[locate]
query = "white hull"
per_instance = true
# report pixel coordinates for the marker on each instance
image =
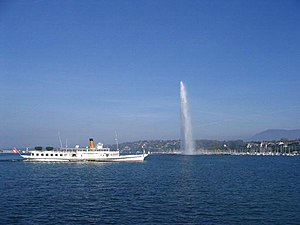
(63, 156)
(45, 160)
(129, 158)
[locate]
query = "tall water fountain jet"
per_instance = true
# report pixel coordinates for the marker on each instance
(187, 143)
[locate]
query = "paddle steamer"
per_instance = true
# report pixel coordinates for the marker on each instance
(97, 153)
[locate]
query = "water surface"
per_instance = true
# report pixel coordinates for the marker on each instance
(165, 189)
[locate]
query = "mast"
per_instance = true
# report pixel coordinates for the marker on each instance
(59, 139)
(116, 139)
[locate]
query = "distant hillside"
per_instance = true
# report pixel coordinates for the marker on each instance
(277, 134)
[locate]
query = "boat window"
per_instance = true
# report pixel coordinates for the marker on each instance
(46, 154)
(42, 154)
(32, 154)
(51, 154)
(61, 155)
(56, 154)
(37, 154)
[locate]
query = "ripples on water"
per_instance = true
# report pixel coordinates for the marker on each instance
(165, 189)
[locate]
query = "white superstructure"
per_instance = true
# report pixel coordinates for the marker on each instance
(91, 153)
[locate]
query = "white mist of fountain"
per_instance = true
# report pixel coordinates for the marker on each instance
(187, 143)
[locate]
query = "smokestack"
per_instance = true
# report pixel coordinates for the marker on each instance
(92, 145)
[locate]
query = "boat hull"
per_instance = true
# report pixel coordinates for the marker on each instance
(120, 158)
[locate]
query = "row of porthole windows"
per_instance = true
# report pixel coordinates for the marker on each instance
(42, 154)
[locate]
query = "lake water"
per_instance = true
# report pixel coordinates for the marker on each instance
(165, 189)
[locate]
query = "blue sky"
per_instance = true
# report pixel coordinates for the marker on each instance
(88, 68)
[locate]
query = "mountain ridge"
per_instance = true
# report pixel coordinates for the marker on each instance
(276, 134)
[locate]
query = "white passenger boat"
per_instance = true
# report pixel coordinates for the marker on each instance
(91, 153)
